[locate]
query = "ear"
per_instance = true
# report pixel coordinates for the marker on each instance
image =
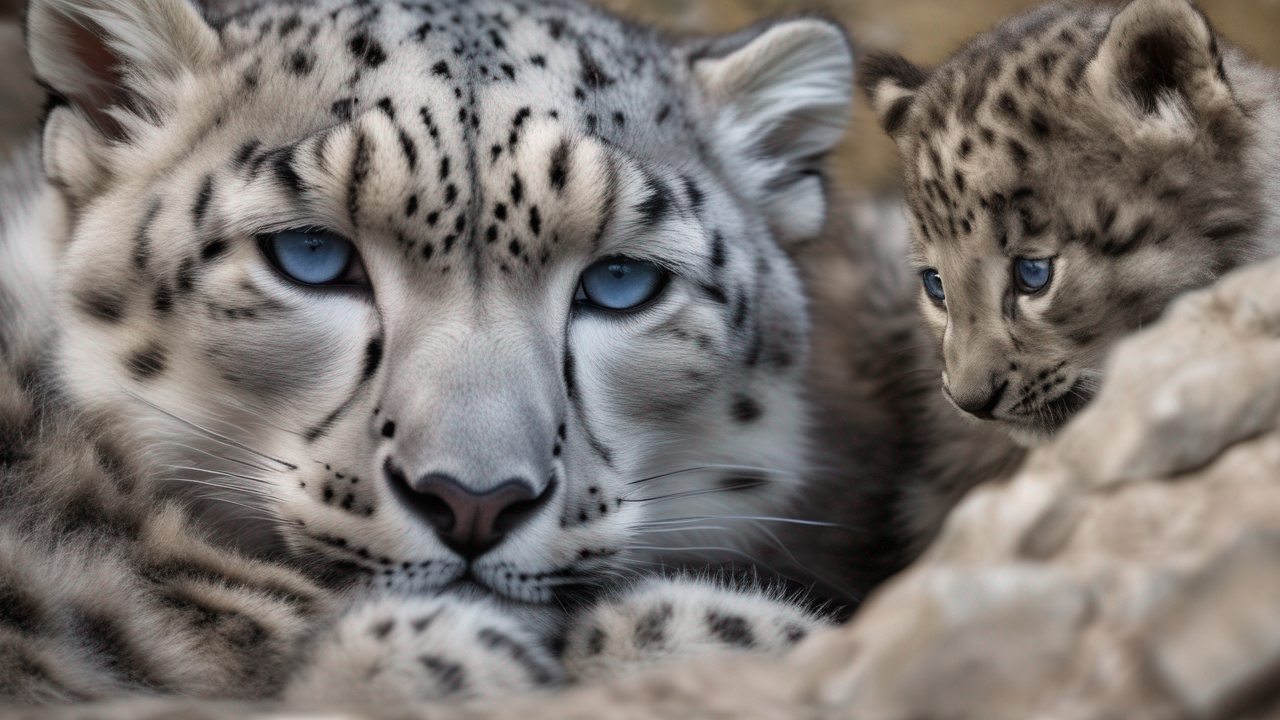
(1160, 59)
(890, 83)
(109, 66)
(781, 100)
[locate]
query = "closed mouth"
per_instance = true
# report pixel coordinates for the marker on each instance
(1051, 415)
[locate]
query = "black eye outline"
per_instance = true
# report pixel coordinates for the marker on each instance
(939, 293)
(582, 300)
(352, 275)
(1021, 283)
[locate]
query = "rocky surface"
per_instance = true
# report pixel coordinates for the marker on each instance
(1130, 571)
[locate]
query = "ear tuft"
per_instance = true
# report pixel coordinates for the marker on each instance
(781, 99)
(890, 82)
(1160, 57)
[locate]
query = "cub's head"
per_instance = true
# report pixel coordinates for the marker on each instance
(1066, 174)
(488, 293)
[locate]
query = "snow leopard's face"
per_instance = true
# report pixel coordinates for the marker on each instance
(473, 292)
(1067, 175)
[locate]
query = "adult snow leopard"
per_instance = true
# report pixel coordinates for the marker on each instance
(1067, 174)
(358, 352)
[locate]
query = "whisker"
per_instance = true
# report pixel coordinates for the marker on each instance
(214, 435)
(701, 468)
(763, 518)
(695, 493)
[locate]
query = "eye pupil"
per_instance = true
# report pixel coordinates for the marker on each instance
(621, 283)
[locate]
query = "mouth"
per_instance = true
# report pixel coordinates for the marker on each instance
(1044, 421)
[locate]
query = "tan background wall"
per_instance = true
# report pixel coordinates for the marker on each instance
(924, 30)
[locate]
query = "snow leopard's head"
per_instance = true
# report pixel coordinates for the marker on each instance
(483, 292)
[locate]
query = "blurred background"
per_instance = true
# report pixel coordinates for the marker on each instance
(926, 31)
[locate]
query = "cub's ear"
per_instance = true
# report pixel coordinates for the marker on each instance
(890, 83)
(781, 96)
(1160, 61)
(110, 67)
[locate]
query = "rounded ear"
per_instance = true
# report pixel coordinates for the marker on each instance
(108, 66)
(890, 83)
(1159, 61)
(780, 99)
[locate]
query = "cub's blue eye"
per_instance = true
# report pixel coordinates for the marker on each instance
(1033, 275)
(933, 284)
(620, 283)
(314, 258)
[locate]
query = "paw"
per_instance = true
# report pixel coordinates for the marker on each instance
(1178, 394)
(662, 620)
(397, 651)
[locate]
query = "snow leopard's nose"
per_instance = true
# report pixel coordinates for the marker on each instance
(469, 522)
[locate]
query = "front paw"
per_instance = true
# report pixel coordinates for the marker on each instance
(397, 651)
(663, 620)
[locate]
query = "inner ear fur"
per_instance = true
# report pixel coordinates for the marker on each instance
(1158, 52)
(890, 83)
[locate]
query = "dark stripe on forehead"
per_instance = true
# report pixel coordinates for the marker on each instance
(142, 238)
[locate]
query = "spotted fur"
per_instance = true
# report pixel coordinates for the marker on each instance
(208, 468)
(1130, 145)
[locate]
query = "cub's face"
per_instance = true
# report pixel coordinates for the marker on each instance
(472, 299)
(1065, 181)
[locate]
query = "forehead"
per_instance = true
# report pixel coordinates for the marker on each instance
(509, 129)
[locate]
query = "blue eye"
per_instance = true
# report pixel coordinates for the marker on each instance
(314, 258)
(1033, 275)
(933, 284)
(620, 283)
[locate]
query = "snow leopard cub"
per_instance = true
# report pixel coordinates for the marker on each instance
(1067, 174)
(369, 352)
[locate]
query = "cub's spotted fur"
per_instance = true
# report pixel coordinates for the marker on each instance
(1067, 174)
(433, 466)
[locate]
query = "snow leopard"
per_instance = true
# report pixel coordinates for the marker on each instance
(361, 352)
(1067, 174)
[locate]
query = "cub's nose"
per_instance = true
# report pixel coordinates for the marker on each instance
(469, 522)
(981, 403)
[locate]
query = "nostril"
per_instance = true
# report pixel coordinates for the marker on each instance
(516, 513)
(468, 521)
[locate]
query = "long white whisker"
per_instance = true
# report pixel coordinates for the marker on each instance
(214, 435)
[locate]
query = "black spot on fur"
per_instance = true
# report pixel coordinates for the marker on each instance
(595, 641)
(593, 76)
(411, 206)
(730, 629)
(535, 220)
(410, 150)
(559, 172)
(495, 640)
(142, 237)
(450, 675)
(102, 636)
(147, 363)
(367, 50)
(653, 209)
(388, 429)
(442, 69)
(343, 109)
(213, 249)
(382, 629)
(651, 628)
(745, 410)
(105, 306)
(162, 303)
(372, 358)
(717, 249)
(203, 197)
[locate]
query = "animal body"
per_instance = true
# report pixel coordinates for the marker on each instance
(1066, 175)
(371, 352)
